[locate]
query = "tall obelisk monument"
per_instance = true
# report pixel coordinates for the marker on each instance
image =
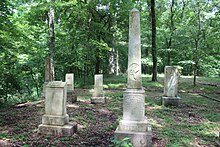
(134, 124)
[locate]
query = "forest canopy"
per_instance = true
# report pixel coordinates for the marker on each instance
(91, 36)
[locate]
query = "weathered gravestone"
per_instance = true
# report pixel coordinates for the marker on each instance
(134, 124)
(98, 94)
(170, 86)
(71, 95)
(55, 121)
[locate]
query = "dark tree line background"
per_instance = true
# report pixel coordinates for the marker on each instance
(86, 37)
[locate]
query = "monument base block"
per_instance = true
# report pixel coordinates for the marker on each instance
(171, 101)
(66, 130)
(55, 120)
(138, 126)
(99, 100)
(138, 139)
(71, 97)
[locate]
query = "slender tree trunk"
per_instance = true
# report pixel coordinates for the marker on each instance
(117, 63)
(154, 51)
(197, 40)
(98, 61)
(52, 39)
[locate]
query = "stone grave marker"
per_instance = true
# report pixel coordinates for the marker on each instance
(98, 94)
(170, 86)
(134, 124)
(71, 95)
(55, 121)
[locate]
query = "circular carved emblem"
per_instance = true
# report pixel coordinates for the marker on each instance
(134, 71)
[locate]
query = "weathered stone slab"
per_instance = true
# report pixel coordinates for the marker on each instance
(70, 82)
(170, 101)
(133, 105)
(138, 139)
(55, 120)
(171, 77)
(65, 130)
(98, 94)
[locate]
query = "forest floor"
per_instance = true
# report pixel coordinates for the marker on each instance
(196, 122)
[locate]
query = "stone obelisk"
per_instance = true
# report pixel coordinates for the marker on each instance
(134, 124)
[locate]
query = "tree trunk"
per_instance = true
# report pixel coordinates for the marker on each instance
(154, 52)
(52, 39)
(98, 61)
(117, 63)
(197, 41)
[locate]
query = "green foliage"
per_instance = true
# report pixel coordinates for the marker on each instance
(90, 33)
(125, 142)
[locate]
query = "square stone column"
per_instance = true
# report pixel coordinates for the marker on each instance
(134, 124)
(71, 95)
(55, 121)
(171, 77)
(98, 94)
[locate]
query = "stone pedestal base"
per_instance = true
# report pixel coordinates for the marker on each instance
(98, 100)
(65, 130)
(55, 120)
(71, 97)
(138, 139)
(137, 126)
(171, 101)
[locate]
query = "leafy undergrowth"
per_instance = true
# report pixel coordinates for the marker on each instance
(195, 123)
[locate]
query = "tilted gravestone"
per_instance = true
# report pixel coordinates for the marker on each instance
(170, 86)
(98, 94)
(71, 95)
(55, 121)
(134, 124)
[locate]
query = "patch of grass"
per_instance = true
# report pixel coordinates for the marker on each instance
(115, 102)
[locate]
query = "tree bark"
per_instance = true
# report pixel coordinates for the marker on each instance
(51, 40)
(98, 61)
(197, 40)
(154, 51)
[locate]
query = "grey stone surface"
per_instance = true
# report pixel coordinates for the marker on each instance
(55, 102)
(171, 81)
(65, 130)
(134, 124)
(171, 77)
(134, 52)
(138, 139)
(70, 82)
(56, 120)
(168, 101)
(98, 94)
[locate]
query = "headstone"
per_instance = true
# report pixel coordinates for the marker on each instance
(98, 94)
(71, 95)
(55, 121)
(170, 86)
(134, 124)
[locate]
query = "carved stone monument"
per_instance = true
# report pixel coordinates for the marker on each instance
(170, 86)
(134, 124)
(98, 94)
(71, 95)
(55, 121)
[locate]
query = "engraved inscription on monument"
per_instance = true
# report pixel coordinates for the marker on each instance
(134, 71)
